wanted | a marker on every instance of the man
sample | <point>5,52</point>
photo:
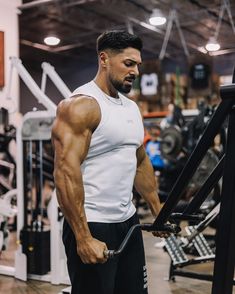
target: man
<point>97,137</point>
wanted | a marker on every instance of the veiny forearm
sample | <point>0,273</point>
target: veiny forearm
<point>70,194</point>
<point>145,184</point>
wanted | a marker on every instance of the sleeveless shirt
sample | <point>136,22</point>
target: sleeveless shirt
<point>109,168</point>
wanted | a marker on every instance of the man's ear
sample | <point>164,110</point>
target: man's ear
<point>103,59</point>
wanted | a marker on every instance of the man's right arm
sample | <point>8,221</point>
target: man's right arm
<point>75,121</point>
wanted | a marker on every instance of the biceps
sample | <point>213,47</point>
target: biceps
<point>71,150</point>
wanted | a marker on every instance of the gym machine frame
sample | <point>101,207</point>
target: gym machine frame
<point>32,120</point>
<point>225,239</point>
<point>49,70</point>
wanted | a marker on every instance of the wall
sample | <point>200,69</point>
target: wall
<point>9,25</point>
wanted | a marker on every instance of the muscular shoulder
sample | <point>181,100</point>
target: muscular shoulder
<point>79,112</point>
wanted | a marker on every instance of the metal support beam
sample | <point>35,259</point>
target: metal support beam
<point>173,17</point>
<point>228,8</point>
<point>34,4</point>
<point>224,7</point>
<point>225,241</point>
<point>129,27</point>
<point>206,188</point>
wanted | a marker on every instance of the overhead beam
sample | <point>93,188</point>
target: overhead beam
<point>56,49</point>
<point>34,4</point>
<point>41,2</point>
<point>222,52</point>
<point>79,3</point>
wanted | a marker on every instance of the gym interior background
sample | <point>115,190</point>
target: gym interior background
<point>185,61</point>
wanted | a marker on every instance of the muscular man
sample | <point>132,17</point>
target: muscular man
<point>99,156</point>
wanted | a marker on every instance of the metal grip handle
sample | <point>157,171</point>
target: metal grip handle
<point>171,228</point>
<point>168,227</point>
<point>109,253</point>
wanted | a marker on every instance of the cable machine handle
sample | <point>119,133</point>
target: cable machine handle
<point>170,228</point>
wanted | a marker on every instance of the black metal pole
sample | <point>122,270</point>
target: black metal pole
<point>204,143</point>
<point>206,188</point>
<point>26,164</point>
<point>225,242</point>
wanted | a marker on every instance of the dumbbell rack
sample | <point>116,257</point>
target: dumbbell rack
<point>179,259</point>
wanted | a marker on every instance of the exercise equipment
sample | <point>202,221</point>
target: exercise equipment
<point>35,236</point>
<point>7,178</point>
<point>171,141</point>
<point>182,136</point>
<point>40,253</point>
<point>225,241</point>
<point>178,148</point>
<point>145,227</point>
<point>49,71</point>
<point>176,248</point>
<point>40,250</point>
<point>42,98</point>
<point>7,210</point>
<point>4,118</point>
<point>204,169</point>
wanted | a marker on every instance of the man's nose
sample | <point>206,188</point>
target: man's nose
<point>135,71</point>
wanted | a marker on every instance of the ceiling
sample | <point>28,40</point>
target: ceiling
<point>78,23</point>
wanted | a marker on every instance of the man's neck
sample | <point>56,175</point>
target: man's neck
<point>106,87</point>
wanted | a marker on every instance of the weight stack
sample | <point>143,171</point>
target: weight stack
<point>36,246</point>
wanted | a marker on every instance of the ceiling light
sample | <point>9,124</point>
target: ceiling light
<point>52,41</point>
<point>157,18</point>
<point>212,44</point>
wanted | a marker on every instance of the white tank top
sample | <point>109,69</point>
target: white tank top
<point>109,169</point>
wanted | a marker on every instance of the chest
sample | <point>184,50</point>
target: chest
<point>120,126</point>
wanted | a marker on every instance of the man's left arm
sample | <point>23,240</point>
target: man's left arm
<point>145,181</point>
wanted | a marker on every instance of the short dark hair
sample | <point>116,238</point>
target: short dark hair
<point>117,41</point>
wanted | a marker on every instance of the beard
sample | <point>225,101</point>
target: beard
<point>120,86</point>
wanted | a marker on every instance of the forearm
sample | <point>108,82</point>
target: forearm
<point>70,194</point>
<point>145,184</point>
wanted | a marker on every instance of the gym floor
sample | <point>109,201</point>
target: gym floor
<point>157,264</point>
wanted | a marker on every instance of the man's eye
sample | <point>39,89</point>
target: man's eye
<point>128,63</point>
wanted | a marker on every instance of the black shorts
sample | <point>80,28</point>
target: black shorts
<point>124,274</point>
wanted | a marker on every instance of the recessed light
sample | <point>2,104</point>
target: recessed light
<point>51,41</point>
<point>157,18</point>
<point>212,45</point>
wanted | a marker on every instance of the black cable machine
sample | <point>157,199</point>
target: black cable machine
<point>35,236</point>
<point>225,240</point>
